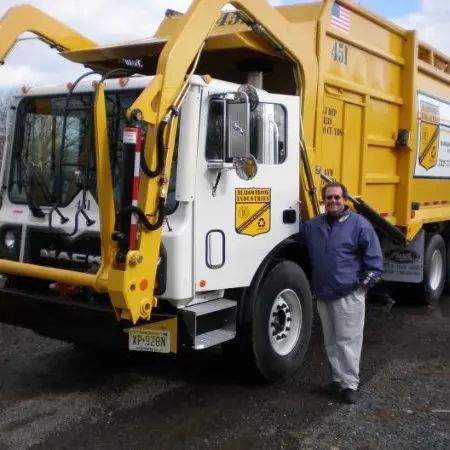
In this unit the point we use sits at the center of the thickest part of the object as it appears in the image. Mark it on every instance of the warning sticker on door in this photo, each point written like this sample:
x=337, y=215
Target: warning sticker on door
x=252, y=211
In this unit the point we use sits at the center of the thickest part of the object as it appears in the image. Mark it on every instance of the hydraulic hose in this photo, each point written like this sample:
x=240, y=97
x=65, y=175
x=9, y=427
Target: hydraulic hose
x=142, y=217
x=159, y=149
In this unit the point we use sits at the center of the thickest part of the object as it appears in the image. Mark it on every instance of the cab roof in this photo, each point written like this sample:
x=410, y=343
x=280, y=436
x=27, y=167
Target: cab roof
x=115, y=84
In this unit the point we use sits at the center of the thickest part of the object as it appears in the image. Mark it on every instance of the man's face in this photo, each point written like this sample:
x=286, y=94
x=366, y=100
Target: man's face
x=334, y=200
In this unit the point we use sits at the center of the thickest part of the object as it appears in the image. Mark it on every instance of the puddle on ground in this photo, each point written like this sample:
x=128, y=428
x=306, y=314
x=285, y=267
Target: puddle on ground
x=444, y=306
x=442, y=309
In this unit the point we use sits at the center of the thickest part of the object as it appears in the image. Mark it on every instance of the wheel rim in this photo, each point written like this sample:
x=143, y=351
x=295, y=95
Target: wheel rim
x=436, y=265
x=285, y=322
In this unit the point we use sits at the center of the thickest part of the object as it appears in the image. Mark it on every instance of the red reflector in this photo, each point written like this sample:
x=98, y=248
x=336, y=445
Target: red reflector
x=67, y=289
x=144, y=284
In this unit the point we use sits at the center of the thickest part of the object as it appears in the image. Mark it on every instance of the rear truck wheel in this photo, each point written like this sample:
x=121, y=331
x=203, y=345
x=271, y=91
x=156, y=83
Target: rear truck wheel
x=276, y=336
x=447, y=272
x=434, y=276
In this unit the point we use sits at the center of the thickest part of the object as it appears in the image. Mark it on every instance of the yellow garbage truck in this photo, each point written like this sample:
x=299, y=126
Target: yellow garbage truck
x=153, y=203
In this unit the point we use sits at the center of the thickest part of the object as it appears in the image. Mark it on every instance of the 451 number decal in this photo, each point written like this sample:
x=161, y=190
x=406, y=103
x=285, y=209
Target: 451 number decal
x=339, y=52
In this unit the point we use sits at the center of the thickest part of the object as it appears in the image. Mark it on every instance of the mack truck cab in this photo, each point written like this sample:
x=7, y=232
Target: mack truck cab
x=232, y=201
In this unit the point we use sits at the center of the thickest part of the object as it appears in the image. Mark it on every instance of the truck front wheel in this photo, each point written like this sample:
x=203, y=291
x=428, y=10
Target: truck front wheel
x=280, y=327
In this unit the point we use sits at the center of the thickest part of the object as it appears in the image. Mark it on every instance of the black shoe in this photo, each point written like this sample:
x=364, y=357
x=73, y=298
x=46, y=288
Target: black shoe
x=333, y=389
x=349, y=396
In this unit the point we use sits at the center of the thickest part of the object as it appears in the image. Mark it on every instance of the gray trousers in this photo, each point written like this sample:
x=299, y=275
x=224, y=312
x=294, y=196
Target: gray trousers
x=343, y=328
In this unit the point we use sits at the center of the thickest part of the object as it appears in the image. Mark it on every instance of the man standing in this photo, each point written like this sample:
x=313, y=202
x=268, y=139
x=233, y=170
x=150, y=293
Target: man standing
x=346, y=260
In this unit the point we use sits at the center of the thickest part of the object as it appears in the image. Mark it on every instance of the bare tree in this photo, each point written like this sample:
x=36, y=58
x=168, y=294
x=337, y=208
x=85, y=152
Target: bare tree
x=5, y=101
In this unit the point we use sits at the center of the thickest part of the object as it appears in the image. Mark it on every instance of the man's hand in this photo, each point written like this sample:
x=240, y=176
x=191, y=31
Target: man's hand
x=361, y=291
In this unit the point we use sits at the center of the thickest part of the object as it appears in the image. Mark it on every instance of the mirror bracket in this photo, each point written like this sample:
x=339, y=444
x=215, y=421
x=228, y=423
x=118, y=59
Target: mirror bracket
x=246, y=169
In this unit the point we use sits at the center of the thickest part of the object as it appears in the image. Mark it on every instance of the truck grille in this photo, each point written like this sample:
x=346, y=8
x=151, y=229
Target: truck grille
x=80, y=254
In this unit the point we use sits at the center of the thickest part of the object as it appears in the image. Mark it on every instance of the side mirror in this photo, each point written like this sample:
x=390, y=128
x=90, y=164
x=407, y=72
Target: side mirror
x=238, y=121
x=229, y=124
x=246, y=168
x=238, y=124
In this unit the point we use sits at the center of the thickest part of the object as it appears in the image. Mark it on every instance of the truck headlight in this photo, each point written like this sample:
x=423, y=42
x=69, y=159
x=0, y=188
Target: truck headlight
x=9, y=240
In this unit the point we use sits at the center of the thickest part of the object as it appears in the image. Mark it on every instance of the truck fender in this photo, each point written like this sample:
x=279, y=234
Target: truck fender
x=289, y=249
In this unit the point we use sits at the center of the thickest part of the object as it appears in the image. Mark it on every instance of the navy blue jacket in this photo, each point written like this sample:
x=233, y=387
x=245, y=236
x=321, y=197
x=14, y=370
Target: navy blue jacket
x=343, y=257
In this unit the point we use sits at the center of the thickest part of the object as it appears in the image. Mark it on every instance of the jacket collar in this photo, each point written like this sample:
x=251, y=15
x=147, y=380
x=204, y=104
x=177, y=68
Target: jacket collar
x=342, y=217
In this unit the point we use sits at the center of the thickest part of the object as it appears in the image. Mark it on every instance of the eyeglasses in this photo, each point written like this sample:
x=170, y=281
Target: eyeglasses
x=330, y=197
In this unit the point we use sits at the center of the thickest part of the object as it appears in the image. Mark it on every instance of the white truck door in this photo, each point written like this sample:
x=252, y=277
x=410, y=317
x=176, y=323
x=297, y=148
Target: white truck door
x=237, y=222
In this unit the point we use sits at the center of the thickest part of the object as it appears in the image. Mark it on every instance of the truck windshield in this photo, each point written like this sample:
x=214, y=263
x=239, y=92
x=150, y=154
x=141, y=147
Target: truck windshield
x=39, y=163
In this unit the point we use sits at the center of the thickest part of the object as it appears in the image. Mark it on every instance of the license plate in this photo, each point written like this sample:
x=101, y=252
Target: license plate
x=149, y=341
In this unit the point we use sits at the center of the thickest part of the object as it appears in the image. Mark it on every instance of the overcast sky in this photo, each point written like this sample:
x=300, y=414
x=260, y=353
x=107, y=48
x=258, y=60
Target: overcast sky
x=107, y=21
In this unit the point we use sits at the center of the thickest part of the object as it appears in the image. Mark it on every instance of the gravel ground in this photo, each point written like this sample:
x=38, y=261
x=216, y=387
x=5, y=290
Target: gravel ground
x=406, y=405
x=53, y=396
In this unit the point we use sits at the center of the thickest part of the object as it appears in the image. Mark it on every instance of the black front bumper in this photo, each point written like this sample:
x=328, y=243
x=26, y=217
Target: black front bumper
x=67, y=319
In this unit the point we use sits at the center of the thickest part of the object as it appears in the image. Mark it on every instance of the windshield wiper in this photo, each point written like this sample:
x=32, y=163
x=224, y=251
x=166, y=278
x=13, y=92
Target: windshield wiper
x=35, y=209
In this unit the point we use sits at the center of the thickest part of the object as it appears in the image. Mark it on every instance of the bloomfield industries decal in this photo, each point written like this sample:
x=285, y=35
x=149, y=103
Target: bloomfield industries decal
x=433, y=146
x=252, y=211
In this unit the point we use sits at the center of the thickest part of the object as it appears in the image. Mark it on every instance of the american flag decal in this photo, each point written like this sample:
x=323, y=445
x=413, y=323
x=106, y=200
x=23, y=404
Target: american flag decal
x=340, y=18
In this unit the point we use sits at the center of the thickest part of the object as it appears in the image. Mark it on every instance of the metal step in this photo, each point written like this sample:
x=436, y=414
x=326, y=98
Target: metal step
x=214, y=337
x=210, y=323
x=211, y=306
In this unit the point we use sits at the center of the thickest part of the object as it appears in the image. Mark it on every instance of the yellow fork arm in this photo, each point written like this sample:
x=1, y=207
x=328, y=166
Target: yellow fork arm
x=154, y=102
x=104, y=188
x=22, y=18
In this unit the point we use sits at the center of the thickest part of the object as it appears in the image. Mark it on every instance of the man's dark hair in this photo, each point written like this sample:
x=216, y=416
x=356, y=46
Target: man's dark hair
x=335, y=184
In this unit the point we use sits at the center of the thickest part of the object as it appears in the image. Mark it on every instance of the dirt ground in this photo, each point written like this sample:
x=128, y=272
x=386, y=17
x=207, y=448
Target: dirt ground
x=55, y=396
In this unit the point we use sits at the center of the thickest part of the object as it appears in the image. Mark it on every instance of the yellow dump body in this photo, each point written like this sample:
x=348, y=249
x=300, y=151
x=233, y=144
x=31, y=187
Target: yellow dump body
x=374, y=73
x=362, y=77
x=373, y=131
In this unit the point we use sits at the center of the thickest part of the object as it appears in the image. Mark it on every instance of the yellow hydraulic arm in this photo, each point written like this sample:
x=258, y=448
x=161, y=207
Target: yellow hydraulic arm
x=154, y=104
x=22, y=18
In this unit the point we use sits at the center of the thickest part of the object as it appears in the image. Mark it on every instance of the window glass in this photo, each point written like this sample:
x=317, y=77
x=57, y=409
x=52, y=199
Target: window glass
x=45, y=168
x=268, y=133
x=215, y=137
x=37, y=152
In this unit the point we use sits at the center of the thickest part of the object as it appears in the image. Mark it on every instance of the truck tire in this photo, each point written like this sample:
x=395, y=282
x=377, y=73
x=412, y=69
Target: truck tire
x=447, y=277
x=274, y=341
x=434, y=276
